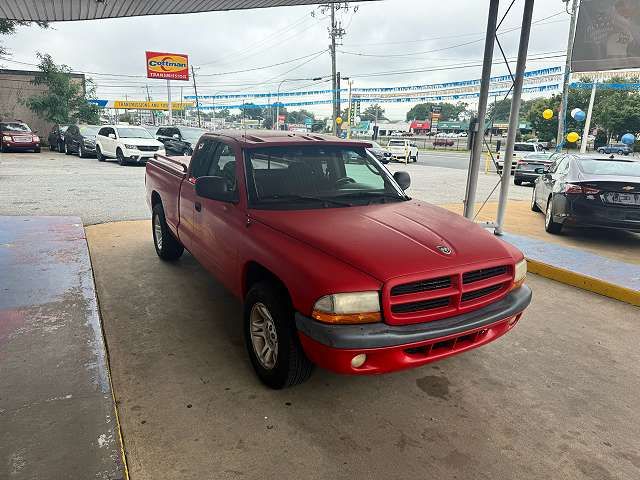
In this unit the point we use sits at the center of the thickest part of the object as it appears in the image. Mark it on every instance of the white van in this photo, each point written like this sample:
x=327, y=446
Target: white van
x=403, y=150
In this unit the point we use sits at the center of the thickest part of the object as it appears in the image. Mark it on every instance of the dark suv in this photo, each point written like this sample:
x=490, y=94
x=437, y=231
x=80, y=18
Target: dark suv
x=81, y=139
x=619, y=148
x=179, y=140
x=56, y=138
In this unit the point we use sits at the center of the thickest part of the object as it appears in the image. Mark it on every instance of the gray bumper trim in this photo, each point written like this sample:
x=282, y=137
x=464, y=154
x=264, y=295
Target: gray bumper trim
x=375, y=335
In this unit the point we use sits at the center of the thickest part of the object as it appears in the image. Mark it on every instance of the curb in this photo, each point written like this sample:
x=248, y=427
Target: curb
x=584, y=282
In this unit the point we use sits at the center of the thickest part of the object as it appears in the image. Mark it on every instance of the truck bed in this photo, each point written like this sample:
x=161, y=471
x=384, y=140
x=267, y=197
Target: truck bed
x=167, y=186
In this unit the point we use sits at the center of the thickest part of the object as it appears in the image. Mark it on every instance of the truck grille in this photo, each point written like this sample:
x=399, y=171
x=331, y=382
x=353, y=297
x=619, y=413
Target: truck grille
x=413, y=300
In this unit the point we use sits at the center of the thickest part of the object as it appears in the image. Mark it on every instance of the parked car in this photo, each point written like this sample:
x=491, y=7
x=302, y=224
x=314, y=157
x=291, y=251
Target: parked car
x=17, y=136
x=589, y=191
x=619, y=148
x=293, y=226
x=527, y=169
x=179, y=140
x=520, y=149
x=381, y=153
x=56, y=138
x=403, y=150
x=152, y=129
x=127, y=144
x=443, y=142
x=81, y=139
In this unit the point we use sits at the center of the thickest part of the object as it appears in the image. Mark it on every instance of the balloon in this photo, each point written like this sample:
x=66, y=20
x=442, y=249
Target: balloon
x=580, y=116
x=628, y=139
x=572, y=137
x=574, y=111
x=547, y=114
x=338, y=120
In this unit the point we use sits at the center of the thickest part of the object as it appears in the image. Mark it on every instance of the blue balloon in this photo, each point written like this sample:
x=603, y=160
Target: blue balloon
x=580, y=116
x=628, y=139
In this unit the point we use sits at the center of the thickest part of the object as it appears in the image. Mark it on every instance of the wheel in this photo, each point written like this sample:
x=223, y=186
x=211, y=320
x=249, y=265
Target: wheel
x=271, y=337
x=517, y=182
x=81, y=152
x=620, y=152
x=601, y=150
x=99, y=155
x=120, y=157
x=60, y=146
x=37, y=150
x=549, y=225
x=534, y=205
x=67, y=150
x=52, y=147
x=167, y=246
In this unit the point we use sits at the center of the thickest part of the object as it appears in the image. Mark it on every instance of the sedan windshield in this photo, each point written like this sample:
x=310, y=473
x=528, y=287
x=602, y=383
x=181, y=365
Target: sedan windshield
x=192, y=134
x=15, y=127
x=133, y=133
x=316, y=177
x=623, y=168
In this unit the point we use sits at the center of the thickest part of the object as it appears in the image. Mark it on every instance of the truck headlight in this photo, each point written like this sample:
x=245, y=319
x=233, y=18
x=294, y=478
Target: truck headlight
x=35, y=138
x=519, y=273
x=345, y=308
x=6, y=138
x=130, y=147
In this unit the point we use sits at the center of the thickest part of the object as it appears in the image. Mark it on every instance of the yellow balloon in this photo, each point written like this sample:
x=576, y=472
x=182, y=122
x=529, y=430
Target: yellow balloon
x=338, y=120
x=572, y=137
x=547, y=114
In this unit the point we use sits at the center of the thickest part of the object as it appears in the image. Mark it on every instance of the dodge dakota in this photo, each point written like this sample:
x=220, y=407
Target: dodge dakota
x=336, y=266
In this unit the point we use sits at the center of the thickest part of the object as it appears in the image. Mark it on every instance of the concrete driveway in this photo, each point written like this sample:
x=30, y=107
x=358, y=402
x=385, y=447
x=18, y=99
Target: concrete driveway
x=556, y=398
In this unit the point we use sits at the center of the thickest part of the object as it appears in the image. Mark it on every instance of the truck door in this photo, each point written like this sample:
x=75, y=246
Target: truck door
x=219, y=224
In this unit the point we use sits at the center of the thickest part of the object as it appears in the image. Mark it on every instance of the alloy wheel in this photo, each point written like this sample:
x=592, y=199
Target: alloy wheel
x=157, y=230
x=264, y=336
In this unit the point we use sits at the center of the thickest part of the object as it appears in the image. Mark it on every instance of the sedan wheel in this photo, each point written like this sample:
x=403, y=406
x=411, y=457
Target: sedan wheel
x=549, y=225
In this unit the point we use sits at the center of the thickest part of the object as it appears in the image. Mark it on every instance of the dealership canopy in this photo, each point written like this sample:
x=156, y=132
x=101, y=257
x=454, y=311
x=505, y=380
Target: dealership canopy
x=64, y=10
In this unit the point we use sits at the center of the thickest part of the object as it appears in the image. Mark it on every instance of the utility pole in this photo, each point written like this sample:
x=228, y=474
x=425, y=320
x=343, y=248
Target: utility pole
x=337, y=103
x=562, y=114
x=332, y=33
x=349, y=114
x=195, y=89
x=153, y=115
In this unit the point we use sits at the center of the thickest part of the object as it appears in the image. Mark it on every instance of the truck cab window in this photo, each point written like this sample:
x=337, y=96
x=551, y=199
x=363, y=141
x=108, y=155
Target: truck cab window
x=202, y=158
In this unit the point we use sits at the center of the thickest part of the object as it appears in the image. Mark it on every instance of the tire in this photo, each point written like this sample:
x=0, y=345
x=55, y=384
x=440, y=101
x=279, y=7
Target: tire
x=120, y=157
x=620, y=152
x=99, y=155
x=549, y=225
x=517, y=182
x=268, y=304
x=534, y=205
x=60, y=147
x=67, y=151
x=166, y=245
x=601, y=151
x=37, y=150
x=81, y=153
x=52, y=148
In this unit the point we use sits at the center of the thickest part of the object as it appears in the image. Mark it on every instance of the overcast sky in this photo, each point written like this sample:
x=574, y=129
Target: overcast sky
x=381, y=37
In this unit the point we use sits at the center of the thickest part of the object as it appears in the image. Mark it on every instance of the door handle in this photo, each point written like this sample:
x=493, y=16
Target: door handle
x=198, y=206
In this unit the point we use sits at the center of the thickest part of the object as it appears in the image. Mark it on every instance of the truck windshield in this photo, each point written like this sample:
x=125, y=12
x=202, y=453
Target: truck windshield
x=317, y=176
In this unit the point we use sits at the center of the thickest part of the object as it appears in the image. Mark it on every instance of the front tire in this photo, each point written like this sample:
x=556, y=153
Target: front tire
x=549, y=225
x=120, y=157
x=517, y=182
x=271, y=337
x=81, y=152
x=166, y=245
x=99, y=155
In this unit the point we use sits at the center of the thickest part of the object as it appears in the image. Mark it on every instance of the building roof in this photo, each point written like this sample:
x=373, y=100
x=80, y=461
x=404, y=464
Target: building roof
x=64, y=10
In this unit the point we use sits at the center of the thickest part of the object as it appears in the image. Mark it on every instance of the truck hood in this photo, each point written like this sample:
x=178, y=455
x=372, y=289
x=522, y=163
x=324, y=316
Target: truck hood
x=389, y=240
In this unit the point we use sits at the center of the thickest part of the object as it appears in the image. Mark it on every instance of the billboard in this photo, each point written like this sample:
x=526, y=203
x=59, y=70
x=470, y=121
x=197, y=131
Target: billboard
x=169, y=66
x=607, y=36
x=144, y=105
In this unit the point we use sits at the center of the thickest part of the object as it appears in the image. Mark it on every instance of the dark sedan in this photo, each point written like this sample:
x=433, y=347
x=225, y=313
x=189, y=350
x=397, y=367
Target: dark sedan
x=81, y=139
x=590, y=192
x=56, y=138
x=179, y=140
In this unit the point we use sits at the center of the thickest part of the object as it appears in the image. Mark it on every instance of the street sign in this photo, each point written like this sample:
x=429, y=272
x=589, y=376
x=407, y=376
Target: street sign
x=168, y=66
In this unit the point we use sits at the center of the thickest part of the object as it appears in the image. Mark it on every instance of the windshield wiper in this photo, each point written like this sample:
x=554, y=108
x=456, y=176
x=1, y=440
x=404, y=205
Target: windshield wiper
x=324, y=200
x=374, y=196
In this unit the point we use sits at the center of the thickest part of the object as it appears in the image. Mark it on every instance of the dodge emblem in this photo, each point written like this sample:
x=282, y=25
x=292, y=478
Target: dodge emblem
x=445, y=250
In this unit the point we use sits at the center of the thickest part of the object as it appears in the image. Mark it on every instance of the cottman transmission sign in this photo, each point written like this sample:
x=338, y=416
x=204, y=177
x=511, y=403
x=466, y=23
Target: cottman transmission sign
x=168, y=66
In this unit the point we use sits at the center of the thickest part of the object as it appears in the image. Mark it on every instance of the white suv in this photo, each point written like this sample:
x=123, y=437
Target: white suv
x=126, y=144
x=403, y=150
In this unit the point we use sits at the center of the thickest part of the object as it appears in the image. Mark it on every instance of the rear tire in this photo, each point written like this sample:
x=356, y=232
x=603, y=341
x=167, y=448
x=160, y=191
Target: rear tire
x=269, y=327
x=601, y=151
x=37, y=150
x=166, y=245
x=517, y=182
x=99, y=155
x=549, y=225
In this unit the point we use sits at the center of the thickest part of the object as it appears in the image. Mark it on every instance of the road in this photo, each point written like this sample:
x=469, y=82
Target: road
x=52, y=183
x=434, y=158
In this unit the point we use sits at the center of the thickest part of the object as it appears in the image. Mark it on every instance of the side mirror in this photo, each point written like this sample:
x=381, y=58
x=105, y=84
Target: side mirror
x=540, y=171
x=214, y=188
x=403, y=179
x=112, y=135
x=176, y=136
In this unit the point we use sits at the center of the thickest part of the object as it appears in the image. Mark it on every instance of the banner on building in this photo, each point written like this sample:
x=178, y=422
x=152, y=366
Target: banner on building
x=143, y=105
x=169, y=66
x=607, y=36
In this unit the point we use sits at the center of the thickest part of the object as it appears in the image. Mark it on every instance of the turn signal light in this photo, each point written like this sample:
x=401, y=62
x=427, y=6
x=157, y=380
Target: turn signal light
x=346, y=318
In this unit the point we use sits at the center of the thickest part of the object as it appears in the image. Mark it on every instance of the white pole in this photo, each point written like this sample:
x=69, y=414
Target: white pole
x=587, y=122
x=169, y=102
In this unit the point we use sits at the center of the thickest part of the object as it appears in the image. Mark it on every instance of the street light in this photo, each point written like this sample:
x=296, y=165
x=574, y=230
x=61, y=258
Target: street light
x=316, y=79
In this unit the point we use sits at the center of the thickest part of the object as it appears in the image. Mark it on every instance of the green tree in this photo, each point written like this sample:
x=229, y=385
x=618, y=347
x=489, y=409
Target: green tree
x=252, y=111
x=64, y=101
x=8, y=27
x=373, y=112
x=448, y=111
x=299, y=116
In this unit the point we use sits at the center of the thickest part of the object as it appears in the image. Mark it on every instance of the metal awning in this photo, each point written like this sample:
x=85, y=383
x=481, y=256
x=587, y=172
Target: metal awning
x=65, y=10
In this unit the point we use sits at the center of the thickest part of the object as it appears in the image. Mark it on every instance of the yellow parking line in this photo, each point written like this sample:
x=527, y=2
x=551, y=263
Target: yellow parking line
x=585, y=282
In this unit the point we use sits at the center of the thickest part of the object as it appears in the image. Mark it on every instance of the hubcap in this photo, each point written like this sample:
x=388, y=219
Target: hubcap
x=157, y=230
x=264, y=337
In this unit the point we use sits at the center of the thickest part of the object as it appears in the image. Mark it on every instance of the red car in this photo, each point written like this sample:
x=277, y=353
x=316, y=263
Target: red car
x=336, y=265
x=443, y=142
x=19, y=137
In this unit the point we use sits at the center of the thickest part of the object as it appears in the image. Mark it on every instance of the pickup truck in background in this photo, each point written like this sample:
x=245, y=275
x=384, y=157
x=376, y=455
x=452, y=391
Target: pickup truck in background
x=335, y=264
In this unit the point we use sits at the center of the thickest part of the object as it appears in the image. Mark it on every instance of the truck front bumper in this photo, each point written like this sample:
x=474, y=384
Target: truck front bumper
x=396, y=347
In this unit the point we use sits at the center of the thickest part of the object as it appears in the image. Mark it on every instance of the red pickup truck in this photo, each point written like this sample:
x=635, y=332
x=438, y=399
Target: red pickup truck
x=336, y=265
